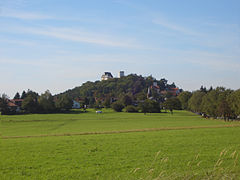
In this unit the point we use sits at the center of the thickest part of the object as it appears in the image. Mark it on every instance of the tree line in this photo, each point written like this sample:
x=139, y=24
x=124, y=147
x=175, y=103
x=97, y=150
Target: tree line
x=218, y=102
x=35, y=103
x=132, y=88
x=130, y=93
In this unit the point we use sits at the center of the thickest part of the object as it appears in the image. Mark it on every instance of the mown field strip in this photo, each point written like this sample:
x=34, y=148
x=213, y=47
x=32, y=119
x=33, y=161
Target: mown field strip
x=121, y=131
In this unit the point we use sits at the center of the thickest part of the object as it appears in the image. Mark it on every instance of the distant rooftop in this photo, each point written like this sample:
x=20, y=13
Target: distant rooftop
x=108, y=74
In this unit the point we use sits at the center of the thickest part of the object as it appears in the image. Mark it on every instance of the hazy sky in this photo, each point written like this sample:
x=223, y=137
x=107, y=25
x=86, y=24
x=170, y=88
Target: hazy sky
x=59, y=44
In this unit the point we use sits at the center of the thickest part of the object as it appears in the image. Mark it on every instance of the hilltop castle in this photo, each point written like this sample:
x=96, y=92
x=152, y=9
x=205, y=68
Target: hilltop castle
x=108, y=75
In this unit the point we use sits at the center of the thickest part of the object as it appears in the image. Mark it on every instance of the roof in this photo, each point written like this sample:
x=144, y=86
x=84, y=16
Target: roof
x=174, y=89
x=108, y=74
x=157, y=87
x=11, y=104
x=17, y=100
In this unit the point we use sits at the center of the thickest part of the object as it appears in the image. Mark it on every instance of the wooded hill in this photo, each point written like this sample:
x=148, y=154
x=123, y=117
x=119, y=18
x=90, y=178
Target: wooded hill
x=133, y=85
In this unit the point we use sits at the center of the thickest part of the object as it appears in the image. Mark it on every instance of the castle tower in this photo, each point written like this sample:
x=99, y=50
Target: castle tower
x=121, y=74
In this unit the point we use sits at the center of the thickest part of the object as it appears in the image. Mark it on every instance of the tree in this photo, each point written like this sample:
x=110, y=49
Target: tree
x=126, y=100
x=214, y=103
x=91, y=101
x=172, y=85
x=141, y=96
x=224, y=110
x=64, y=103
x=32, y=93
x=86, y=101
x=117, y=106
x=46, y=102
x=4, y=109
x=17, y=96
x=163, y=84
x=203, y=89
x=184, y=98
x=107, y=102
x=30, y=104
x=131, y=108
x=233, y=100
x=172, y=103
x=24, y=95
x=150, y=106
x=210, y=89
x=194, y=103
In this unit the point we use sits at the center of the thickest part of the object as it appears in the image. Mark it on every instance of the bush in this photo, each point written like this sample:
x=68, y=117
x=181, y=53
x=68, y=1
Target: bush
x=117, y=107
x=150, y=106
x=131, y=108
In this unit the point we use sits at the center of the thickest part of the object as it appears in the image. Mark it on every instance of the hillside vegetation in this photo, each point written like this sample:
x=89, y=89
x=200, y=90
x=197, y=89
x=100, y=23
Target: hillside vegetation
x=133, y=85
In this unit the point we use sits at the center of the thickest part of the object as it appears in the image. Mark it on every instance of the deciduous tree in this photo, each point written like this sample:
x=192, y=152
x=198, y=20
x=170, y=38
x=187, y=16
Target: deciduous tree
x=194, y=103
x=64, y=103
x=234, y=102
x=117, y=106
x=126, y=100
x=4, y=109
x=30, y=104
x=131, y=108
x=149, y=106
x=184, y=98
x=46, y=102
x=214, y=102
x=172, y=103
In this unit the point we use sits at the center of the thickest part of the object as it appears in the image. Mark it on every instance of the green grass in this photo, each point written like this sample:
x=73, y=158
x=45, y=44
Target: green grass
x=37, y=124
x=173, y=154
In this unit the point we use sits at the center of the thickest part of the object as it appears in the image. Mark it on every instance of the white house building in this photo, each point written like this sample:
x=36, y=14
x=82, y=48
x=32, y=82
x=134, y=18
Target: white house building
x=106, y=76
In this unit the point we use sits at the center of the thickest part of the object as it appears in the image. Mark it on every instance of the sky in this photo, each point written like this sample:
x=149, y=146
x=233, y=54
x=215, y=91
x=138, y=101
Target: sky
x=59, y=44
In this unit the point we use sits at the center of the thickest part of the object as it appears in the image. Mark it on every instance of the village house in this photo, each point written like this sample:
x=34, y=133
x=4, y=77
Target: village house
x=173, y=91
x=15, y=104
x=18, y=102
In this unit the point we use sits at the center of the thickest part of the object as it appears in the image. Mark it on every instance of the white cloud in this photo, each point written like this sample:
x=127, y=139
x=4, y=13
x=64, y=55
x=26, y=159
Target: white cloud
x=78, y=35
x=175, y=27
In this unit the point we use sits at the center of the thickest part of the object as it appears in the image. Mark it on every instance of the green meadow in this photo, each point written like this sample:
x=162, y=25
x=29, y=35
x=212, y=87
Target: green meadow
x=90, y=146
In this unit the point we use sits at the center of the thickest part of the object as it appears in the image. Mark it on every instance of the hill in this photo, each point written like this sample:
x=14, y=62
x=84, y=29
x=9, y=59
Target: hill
x=136, y=86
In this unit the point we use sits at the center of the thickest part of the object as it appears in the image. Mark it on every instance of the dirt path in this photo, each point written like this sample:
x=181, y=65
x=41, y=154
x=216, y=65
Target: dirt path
x=122, y=131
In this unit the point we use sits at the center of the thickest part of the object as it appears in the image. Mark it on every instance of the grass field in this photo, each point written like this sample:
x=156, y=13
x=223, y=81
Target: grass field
x=178, y=146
